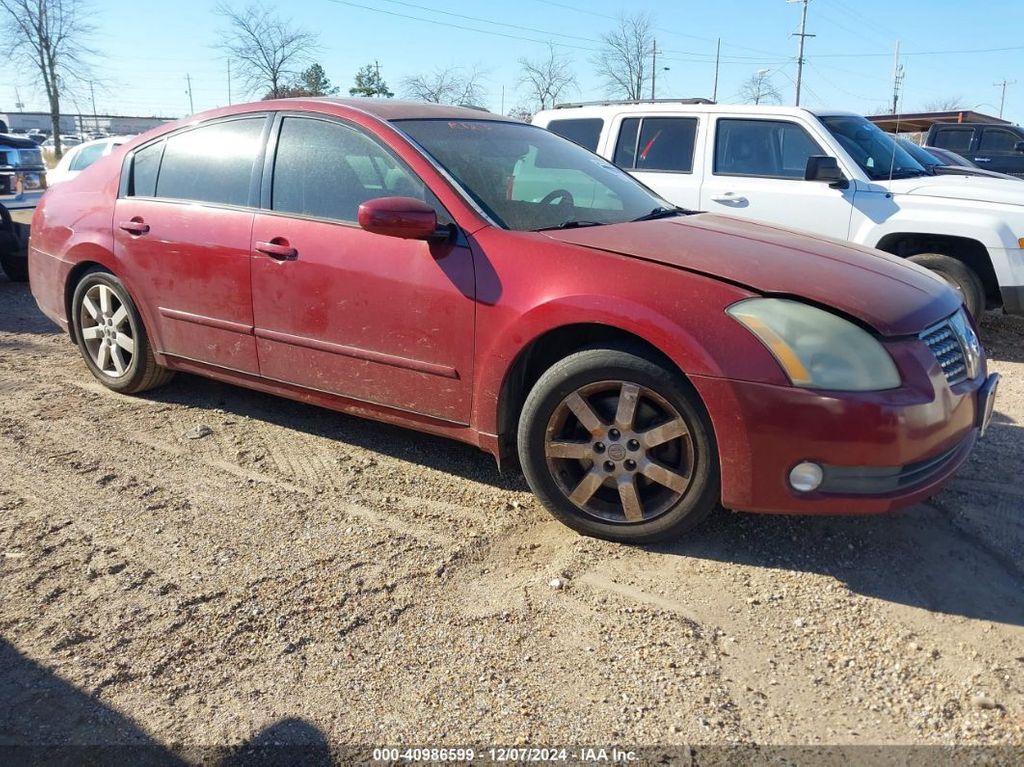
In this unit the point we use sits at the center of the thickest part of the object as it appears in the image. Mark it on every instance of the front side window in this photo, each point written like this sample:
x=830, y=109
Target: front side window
x=527, y=178
x=998, y=140
x=327, y=170
x=766, y=148
x=954, y=139
x=212, y=163
x=657, y=143
x=584, y=131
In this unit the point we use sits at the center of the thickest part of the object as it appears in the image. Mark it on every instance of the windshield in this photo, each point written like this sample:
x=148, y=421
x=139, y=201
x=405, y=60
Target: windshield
x=874, y=150
x=527, y=178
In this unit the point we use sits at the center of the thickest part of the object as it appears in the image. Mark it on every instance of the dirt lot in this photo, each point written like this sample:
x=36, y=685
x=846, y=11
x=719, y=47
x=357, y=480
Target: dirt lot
x=375, y=586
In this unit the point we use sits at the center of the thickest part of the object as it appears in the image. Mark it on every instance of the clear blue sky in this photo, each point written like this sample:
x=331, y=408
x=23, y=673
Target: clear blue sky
x=148, y=47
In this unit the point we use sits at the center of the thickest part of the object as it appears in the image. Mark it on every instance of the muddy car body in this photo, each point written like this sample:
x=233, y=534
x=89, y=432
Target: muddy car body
x=481, y=279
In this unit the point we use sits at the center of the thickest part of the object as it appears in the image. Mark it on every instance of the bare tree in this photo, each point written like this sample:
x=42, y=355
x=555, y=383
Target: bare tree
x=547, y=78
x=951, y=104
x=271, y=51
x=446, y=85
x=624, y=56
x=760, y=89
x=50, y=36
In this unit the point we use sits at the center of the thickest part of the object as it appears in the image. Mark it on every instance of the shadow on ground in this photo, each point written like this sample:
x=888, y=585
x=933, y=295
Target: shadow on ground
x=46, y=720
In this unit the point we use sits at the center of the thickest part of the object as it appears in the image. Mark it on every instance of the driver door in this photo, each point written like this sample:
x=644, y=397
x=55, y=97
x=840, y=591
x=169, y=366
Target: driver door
x=341, y=310
x=756, y=171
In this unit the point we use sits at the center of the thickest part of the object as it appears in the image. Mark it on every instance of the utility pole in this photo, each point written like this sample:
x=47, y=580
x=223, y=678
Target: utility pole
x=654, y=65
x=802, y=34
x=1002, y=100
x=897, y=80
x=95, y=119
x=718, y=61
x=191, y=106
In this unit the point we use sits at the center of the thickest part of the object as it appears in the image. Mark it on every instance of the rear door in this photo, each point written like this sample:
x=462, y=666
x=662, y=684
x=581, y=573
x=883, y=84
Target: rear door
x=661, y=151
x=341, y=310
x=756, y=171
x=997, y=150
x=183, y=226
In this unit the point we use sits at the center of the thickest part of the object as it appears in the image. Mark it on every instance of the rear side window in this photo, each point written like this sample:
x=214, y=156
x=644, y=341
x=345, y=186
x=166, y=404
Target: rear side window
x=584, y=131
x=145, y=164
x=955, y=139
x=998, y=140
x=766, y=148
x=87, y=156
x=657, y=143
x=213, y=163
x=327, y=170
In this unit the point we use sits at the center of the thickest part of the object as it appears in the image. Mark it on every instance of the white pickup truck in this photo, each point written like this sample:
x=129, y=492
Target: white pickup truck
x=833, y=173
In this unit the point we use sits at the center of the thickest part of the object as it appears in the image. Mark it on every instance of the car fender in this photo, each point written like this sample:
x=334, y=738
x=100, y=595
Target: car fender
x=691, y=354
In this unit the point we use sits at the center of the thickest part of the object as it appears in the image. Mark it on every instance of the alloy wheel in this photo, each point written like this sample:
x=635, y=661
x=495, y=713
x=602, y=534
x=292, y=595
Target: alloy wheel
x=107, y=330
x=619, y=451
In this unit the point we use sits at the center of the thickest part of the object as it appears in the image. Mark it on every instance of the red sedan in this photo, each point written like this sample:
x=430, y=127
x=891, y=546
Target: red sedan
x=482, y=279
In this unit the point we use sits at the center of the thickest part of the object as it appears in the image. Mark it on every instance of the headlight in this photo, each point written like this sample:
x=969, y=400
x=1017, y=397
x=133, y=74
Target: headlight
x=818, y=350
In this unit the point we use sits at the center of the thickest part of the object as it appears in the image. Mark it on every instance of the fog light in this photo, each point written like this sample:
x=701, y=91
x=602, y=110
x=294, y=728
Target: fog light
x=806, y=477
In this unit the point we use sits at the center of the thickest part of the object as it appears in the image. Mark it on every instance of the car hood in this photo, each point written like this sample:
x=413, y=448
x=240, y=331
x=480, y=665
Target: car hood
x=889, y=294
x=977, y=188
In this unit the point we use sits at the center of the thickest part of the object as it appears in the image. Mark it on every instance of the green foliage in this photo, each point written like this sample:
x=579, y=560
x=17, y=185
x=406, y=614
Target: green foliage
x=370, y=83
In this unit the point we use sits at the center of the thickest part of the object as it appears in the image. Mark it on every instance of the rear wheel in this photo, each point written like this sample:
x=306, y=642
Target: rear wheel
x=961, y=278
x=111, y=336
x=618, y=447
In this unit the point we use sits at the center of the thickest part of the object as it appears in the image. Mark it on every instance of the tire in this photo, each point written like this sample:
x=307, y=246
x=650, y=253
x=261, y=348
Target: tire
x=127, y=366
x=594, y=455
x=15, y=266
x=961, y=277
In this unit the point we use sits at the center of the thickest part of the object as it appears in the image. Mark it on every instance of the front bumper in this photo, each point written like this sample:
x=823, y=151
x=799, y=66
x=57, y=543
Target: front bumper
x=880, y=450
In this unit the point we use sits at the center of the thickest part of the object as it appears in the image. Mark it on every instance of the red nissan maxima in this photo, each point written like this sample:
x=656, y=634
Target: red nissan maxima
x=471, y=276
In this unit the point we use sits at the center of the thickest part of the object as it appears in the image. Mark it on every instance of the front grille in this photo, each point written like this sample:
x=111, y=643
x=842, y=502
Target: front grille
x=947, y=350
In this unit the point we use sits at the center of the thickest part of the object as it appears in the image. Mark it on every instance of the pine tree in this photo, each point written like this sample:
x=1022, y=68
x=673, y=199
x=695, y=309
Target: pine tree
x=370, y=83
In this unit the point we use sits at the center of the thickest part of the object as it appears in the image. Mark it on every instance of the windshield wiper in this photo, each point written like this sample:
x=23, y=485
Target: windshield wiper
x=661, y=212
x=570, y=224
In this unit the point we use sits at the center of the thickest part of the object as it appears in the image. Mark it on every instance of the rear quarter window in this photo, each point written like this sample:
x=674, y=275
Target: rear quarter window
x=145, y=164
x=583, y=131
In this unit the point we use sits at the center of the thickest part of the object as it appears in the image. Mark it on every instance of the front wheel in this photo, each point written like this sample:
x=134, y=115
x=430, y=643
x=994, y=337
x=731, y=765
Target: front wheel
x=111, y=335
x=960, y=277
x=618, y=447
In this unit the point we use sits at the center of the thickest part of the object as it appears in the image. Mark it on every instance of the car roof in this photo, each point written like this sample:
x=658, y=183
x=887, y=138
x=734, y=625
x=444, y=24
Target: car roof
x=397, y=109
x=570, y=111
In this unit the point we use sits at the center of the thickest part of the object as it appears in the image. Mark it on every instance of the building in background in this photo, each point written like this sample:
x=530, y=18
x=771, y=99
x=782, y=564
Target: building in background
x=23, y=122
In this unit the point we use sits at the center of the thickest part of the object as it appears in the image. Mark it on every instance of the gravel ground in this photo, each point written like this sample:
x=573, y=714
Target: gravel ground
x=375, y=586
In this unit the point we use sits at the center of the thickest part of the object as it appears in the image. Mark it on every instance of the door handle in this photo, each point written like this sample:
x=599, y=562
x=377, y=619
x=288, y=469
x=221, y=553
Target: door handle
x=983, y=159
x=278, y=249
x=134, y=226
x=730, y=198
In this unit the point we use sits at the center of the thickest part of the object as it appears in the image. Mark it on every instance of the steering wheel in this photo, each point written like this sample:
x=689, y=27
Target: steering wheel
x=564, y=197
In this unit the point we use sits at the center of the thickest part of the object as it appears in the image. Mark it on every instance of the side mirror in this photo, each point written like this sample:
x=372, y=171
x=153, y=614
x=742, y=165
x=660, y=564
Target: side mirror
x=404, y=217
x=824, y=168
x=1019, y=147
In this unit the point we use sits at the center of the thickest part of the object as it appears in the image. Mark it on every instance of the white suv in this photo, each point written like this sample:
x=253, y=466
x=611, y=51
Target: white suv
x=833, y=173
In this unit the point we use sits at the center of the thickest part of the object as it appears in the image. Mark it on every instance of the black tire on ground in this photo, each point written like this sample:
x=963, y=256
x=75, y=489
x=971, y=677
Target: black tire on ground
x=15, y=266
x=588, y=371
x=961, y=277
x=142, y=371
